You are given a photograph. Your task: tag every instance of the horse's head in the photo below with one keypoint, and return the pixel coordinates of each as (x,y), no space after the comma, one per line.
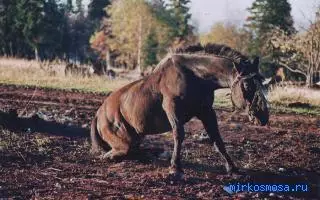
(248,92)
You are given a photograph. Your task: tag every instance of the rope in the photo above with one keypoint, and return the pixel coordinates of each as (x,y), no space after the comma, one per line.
(27,104)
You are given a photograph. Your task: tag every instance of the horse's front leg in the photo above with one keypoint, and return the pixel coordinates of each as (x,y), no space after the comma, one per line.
(173,113)
(209,120)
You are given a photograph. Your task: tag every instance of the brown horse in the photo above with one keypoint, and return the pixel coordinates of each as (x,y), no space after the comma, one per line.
(181,87)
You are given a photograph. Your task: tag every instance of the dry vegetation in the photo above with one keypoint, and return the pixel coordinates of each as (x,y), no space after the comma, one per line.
(287,95)
(30,73)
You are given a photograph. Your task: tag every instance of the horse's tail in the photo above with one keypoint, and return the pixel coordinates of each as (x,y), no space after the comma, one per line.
(97,143)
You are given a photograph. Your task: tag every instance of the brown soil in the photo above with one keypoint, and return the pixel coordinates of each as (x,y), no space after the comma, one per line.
(44,154)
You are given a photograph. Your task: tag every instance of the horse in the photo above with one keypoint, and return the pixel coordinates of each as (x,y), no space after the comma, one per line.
(181,87)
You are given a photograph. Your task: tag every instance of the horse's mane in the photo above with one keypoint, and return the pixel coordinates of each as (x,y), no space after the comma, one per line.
(215,49)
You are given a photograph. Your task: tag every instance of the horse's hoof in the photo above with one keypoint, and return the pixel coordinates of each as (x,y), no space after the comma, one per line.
(95,152)
(107,156)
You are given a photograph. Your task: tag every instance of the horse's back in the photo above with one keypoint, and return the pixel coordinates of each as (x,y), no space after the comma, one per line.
(138,105)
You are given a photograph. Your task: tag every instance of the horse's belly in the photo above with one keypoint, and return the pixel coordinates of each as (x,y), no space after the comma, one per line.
(154,122)
(145,114)
(158,124)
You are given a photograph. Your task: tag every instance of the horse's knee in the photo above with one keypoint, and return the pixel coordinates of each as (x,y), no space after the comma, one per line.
(114,155)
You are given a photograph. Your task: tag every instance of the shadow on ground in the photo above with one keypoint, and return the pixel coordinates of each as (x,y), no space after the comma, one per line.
(12,122)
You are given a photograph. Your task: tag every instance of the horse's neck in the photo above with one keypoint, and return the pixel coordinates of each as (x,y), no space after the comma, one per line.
(215,68)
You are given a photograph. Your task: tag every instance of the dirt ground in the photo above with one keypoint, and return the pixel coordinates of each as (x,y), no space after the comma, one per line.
(44,154)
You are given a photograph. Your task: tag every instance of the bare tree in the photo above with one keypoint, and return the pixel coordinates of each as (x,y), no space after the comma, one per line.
(299,53)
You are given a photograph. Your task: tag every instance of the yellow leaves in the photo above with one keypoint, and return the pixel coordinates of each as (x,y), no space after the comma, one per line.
(98,42)
(228,34)
(126,17)
(127,29)
(131,23)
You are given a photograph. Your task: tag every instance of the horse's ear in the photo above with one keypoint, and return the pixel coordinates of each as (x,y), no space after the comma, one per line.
(241,67)
(256,61)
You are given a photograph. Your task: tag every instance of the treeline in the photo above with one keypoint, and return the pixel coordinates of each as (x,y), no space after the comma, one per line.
(129,33)
(137,33)
(48,29)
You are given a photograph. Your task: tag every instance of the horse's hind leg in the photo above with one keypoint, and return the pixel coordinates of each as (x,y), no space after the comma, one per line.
(209,120)
(98,146)
(121,142)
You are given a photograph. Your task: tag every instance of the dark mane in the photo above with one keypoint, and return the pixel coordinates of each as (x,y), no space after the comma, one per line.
(215,49)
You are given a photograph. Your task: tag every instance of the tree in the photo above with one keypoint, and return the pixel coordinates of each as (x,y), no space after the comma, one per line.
(228,34)
(129,32)
(44,29)
(166,20)
(264,16)
(79,6)
(8,28)
(69,6)
(77,29)
(180,13)
(150,48)
(30,15)
(96,11)
(52,30)
(79,32)
(99,42)
(300,53)
(130,29)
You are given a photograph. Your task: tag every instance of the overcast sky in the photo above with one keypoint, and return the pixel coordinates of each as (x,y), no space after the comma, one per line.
(207,12)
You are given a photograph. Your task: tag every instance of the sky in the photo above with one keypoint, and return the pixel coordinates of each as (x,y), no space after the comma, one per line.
(207,12)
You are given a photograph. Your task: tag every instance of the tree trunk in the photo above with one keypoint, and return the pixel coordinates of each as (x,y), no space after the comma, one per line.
(108,63)
(139,46)
(11,50)
(4,51)
(36,53)
(309,81)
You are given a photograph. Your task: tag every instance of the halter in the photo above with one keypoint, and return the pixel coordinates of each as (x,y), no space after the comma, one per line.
(240,77)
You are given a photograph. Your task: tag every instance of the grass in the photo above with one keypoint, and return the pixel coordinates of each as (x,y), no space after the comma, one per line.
(282,97)
(30,73)
(222,98)
(315,110)
(279,98)
(291,94)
